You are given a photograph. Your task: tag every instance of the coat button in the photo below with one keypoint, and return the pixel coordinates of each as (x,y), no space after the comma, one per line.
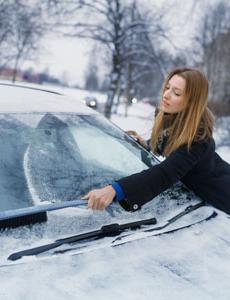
(135,206)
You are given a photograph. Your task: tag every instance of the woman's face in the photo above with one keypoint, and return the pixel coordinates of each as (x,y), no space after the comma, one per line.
(173,99)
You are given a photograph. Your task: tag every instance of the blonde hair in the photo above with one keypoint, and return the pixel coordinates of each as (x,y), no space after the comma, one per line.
(195,122)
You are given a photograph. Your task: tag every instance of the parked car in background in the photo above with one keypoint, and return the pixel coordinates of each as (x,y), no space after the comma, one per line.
(91,102)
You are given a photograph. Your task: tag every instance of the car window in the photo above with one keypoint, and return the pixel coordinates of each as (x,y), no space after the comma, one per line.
(106,150)
(59,157)
(77,154)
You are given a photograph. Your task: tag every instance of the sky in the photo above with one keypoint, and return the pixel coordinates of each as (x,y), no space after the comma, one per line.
(65,58)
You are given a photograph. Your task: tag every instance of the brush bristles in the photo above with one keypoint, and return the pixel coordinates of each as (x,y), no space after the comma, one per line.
(23,220)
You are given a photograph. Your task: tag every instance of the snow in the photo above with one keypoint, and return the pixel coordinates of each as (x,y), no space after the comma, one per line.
(40,101)
(224,152)
(190,264)
(140,118)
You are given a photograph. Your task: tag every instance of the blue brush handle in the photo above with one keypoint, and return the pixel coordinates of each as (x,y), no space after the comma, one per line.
(20,212)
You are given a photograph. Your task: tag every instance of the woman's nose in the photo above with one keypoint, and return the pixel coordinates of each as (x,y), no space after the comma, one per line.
(166,94)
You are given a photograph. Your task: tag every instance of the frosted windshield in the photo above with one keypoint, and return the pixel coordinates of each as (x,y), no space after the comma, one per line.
(59,157)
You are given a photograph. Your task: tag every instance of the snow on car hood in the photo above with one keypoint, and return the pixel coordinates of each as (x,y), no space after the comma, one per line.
(190,264)
(25,99)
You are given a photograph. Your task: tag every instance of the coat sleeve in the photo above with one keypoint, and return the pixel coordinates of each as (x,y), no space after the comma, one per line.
(142,187)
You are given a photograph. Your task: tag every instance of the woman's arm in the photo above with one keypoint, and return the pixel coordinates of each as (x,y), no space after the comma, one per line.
(141,187)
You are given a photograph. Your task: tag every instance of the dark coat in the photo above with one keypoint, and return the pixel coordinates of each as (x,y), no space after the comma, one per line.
(201,170)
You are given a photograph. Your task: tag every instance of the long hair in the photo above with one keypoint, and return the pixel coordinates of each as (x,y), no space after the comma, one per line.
(195,122)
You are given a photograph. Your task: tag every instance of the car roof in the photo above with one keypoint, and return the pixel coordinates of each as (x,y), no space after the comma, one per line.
(23,98)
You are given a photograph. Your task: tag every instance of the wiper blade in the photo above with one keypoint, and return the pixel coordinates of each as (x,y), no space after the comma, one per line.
(158,228)
(105,231)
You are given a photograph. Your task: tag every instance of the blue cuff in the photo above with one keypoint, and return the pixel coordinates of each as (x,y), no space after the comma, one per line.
(119,191)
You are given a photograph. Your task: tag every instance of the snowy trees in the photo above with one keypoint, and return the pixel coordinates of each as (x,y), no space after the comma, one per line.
(91,76)
(27,30)
(108,24)
(133,42)
(21,28)
(125,34)
(5,32)
(143,64)
(214,45)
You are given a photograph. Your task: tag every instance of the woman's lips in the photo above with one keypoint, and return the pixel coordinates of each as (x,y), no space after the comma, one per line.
(165,103)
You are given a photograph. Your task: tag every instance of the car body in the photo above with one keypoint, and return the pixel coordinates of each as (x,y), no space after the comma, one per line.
(54,149)
(59,148)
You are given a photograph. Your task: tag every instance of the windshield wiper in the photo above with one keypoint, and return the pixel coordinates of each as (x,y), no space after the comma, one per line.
(105,231)
(158,228)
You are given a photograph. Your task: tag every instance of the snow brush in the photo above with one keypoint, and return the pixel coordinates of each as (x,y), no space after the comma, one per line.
(34,214)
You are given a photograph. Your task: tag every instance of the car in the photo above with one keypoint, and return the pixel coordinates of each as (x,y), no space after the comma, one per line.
(91,101)
(54,150)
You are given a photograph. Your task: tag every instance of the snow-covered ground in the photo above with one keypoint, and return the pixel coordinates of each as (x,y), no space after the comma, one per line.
(190,264)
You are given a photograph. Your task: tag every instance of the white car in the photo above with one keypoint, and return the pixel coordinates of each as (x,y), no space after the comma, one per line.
(53,151)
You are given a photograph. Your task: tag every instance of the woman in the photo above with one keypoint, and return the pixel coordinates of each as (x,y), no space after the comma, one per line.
(182,132)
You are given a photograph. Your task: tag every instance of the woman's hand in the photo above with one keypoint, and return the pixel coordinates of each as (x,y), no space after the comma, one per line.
(99,199)
(137,137)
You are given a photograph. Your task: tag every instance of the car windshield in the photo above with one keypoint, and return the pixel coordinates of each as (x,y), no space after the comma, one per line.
(61,156)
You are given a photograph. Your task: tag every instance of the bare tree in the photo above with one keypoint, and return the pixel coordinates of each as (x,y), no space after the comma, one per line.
(26,31)
(111,23)
(5,32)
(145,64)
(214,49)
(91,75)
